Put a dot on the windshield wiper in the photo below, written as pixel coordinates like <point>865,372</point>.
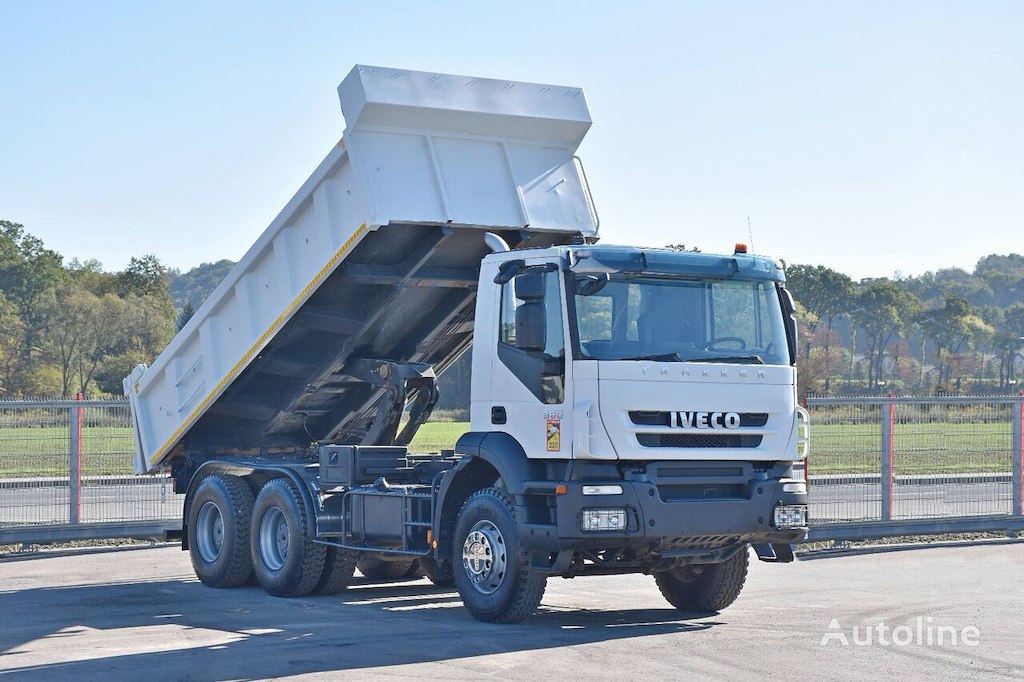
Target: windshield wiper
<point>746,359</point>
<point>659,357</point>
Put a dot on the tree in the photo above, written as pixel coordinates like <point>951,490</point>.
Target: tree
<point>882,312</point>
<point>1005,276</point>
<point>951,328</point>
<point>184,316</point>
<point>67,312</point>
<point>196,285</point>
<point>12,338</point>
<point>146,278</point>
<point>27,271</point>
<point>1008,341</point>
<point>824,293</point>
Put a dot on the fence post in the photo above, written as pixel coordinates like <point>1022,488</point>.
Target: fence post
<point>888,415</point>
<point>75,468</point>
<point>1018,454</point>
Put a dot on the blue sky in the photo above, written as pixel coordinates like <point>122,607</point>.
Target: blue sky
<point>870,136</point>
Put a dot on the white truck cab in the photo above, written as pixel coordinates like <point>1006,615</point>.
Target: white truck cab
<point>599,352</point>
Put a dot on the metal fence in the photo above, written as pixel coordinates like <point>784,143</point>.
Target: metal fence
<point>900,466</point>
<point>877,467</point>
<point>66,473</point>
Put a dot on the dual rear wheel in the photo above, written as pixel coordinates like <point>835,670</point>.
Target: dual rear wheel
<point>233,537</point>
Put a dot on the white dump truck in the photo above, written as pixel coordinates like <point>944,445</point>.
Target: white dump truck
<point>633,410</point>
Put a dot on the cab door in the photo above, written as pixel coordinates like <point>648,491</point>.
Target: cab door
<point>529,385</point>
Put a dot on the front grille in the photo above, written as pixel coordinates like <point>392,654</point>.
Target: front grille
<point>645,418</point>
<point>697,440</point>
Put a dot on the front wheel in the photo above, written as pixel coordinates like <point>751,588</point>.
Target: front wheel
<point>705,587</point>
<point>492,572</point>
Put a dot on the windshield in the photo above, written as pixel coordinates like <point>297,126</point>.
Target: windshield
<point>636,317</point>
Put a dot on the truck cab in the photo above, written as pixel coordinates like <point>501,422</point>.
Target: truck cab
<point>639,407</point>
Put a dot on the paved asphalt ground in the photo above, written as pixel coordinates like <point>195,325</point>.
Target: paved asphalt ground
<point>139,613</point>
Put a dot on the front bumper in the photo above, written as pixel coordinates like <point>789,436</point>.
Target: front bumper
<point>659,526</point>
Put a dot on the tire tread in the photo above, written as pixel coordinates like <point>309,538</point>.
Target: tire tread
<point>714,590</point>
<point>528,591</point>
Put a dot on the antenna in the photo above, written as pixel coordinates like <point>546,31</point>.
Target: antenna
<point>750,233</point>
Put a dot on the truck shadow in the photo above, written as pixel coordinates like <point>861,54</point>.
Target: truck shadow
<point>180,629</point>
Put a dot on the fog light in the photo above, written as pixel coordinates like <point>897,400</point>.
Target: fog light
<point>790,516</point>
<point>603,519</point>
<point>794,487</point>
<point>602,490</point>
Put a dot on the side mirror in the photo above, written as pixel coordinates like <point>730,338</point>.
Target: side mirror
<point>789,311</point>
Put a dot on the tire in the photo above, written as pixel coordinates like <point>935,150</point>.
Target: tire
<point>438,571</point>
<point>492,572</point>
<point>415,571</point>
<point>375,568</point>
<point>286,561</point>
<point>710,587</point>
<point>339,565</point>
<point>218,531</point>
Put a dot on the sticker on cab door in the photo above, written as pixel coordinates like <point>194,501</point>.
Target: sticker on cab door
<point>554,435</point>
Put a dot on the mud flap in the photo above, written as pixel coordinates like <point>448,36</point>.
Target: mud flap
<point>774,553</point>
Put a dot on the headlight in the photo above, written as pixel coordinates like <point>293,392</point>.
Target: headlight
<point>791,516</point>
<point>603,519</point>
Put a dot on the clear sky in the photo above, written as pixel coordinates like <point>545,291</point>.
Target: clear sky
<point>868,136</point>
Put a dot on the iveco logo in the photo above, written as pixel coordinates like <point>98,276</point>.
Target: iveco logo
<point>705,420</point>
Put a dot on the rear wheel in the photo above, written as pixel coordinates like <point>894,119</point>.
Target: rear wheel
<point>377,568</point>
<point>218,531</point>
<point>286,561</point>
<point>706,587</point>
<point>339,565</point>
<point>492,572</point>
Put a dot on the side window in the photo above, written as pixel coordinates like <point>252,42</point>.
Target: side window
<point>509,303</point>
<point>540,294</point>
<point>531,342</point>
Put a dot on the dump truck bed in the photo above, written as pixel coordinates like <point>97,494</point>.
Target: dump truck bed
<point>376,257</point>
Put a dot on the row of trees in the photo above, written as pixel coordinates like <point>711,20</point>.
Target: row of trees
<point>945,331</point>
<point>71,327</point>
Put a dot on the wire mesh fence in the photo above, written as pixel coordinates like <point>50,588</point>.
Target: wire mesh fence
<point>70,463</point>
<point>892,459</point>
<point>882,461</point>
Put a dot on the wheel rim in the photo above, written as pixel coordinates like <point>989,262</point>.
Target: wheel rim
<point>210,532</point>
<point>274,539</point>
<point>484,558</point>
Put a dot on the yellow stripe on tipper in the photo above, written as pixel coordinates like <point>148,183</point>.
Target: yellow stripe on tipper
<point>249,354</point>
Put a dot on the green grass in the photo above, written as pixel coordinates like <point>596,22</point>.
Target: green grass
<point>435,436</point>
<point>964,447</point>
<point>43,450</point>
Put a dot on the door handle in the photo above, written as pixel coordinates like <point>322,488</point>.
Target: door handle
<point>498,415</point>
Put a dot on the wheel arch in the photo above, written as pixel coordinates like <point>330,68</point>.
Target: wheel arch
<point>487,456</point>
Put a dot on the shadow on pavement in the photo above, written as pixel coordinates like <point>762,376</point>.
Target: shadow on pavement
<point>180,628</point>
